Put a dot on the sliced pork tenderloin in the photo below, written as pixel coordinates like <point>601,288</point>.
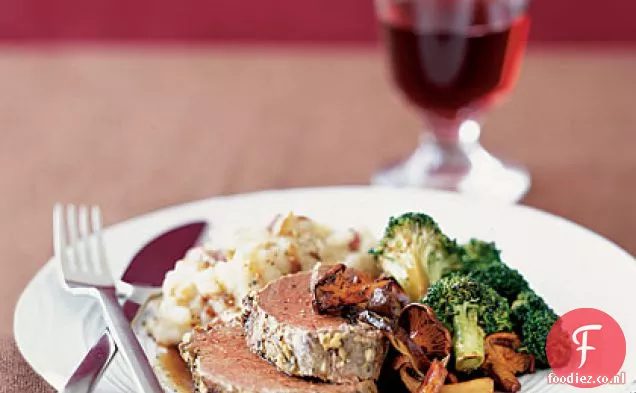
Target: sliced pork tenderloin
<point>220,362</point>
<point>282,327</point>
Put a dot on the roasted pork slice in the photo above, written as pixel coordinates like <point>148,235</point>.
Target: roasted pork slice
<point>220,362</point>
<point>282,326</point>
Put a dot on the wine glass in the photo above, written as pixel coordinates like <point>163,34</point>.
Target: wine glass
<point>452,60</point>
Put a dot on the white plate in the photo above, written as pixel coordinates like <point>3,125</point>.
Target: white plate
<point>571,266</point>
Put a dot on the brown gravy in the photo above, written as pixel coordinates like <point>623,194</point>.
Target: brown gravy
<point>176,370</point>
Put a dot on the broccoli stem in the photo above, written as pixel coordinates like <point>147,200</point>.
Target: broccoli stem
<point>469,338</point>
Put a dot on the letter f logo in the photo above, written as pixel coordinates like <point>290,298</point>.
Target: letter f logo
<point>583,345</point>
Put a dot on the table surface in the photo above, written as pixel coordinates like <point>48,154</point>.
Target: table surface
<point>135,130</point>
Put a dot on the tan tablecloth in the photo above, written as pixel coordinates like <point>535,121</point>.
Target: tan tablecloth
<point>135,131</point>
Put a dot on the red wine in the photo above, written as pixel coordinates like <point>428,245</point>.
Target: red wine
<point>448,72</point>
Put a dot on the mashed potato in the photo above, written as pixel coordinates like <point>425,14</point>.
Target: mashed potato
<point>212,279</point>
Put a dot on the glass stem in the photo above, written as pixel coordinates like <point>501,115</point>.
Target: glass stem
<point>450,132</point>
<point>450,142</point>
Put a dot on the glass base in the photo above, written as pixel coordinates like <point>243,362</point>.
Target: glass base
<point>466,168</point>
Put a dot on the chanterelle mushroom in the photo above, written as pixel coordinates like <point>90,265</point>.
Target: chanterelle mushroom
<point>434,379</point>
<point>421,337</point>
<point>335,291</point>
<point>504,363</point>
<point>436,376</point>
<point>411,379</point>
<point>349,293</point>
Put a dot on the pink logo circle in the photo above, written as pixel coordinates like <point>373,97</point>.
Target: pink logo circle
<point>586,348</point>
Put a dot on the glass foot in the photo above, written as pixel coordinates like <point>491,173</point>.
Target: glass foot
<point>466,168</point>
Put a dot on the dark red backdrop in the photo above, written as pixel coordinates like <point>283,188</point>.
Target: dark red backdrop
<point>274,20</point>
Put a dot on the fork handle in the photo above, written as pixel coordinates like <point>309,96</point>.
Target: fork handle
<point>127,342</point>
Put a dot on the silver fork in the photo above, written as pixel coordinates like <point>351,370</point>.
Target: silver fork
<point>84,269</point>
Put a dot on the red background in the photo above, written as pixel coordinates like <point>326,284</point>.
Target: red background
<point>274,20</point>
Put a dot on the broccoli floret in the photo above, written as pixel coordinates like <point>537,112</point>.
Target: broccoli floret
<point>534,333</point>
<point>526,302</point>
<point>533,319</point>
<point>470,310</point>
<point>482,262</point>
<point>507,281</point>
<point>416,253</point>
<point>478,253</point>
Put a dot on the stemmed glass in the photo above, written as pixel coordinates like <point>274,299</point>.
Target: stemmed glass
<point>453,60</point>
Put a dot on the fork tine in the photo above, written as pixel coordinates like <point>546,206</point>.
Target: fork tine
<point>85,237</point>
<point>61,244</point>
<point>96,215</point>
<point>71,227</point>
